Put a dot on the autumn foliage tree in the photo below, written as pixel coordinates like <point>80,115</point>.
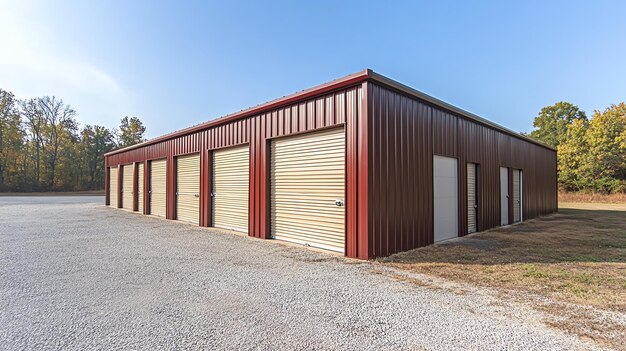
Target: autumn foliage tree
<point>43,147</point>
<point>131,132</point>
<point>591,153</point>
<point>552,122</point>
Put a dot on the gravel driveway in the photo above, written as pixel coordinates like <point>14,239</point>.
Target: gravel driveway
<point>75,274</point>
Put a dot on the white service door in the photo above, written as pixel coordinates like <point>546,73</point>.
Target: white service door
<point>504,196</point>
<point>445,198</point>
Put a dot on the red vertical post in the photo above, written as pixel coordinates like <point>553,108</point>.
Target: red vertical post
<point>171,187</point>
<point>107,175</point>
<point>135,186</point>
<point>351,180</point>
<point>263,172</point>
<point>120,179</point>
<point>364,250</point>
<point>146,187</point>
<point>206,184</point>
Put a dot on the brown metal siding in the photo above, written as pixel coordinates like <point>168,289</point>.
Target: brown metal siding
<point>318,112</point>
<point>392,134</point>
<point>405,134</point>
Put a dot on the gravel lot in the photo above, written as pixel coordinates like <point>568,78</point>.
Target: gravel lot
<point>75,275</point>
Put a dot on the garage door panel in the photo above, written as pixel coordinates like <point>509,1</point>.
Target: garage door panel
<point>188,188</point>
<point>127,187</point>
<point>307,176</point>
<point>517,196</point>
<point>231,168</point>
<point>140,193</point>
<point>113,186</point>
<point>329,160</point>
<point>158,188</point>
<point>471,198</point>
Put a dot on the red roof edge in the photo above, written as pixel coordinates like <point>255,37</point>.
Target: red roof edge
<point>336,84</point>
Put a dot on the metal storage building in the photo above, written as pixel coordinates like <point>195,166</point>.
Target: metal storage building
<point>362,165</point>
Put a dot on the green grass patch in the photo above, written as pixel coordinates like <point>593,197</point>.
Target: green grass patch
<point>531,270</point>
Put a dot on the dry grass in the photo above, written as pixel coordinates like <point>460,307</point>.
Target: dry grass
<point>566,197</point>
<point>576,257</point>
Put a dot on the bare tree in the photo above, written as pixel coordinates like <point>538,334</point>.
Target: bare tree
<point>33,117</point>
<point>59,118</point>
<point>47,119</point>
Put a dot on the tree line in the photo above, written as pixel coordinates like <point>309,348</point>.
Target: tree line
<point>591,152</point>
<point>44,148</point>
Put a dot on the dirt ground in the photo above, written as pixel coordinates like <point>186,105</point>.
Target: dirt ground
<point>571,265</point>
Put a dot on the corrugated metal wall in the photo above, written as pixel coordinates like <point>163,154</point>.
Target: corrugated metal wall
<point>405,133</point>
<point>329,109</point>
<point>391,137</point>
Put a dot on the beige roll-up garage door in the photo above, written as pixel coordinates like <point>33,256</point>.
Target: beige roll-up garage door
<point>113,188</point>
<point>472,203</point>
<point>307,189</point>
<point>231,169</point>
<point>517,196</point>
<point>188,188</point>
<point>140,187</point>
<point>158,188</point>
<point>127,187</point>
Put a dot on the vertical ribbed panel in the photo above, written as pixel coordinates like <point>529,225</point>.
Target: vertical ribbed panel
<point>472,205</point>
<point>127,187</point>
<point>307,178</point>
<point>326,110</point>
<point>113,186</point>
<point>140,193</point>
<point>230,193</point>
<point>400,172</point>
<point>405,133</point>
<point>188,188</point>
<point>158,188</point>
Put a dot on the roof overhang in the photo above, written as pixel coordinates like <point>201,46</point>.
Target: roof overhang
<point>347,81</point>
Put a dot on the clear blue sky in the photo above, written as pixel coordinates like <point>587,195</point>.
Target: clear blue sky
<point>181,63</point>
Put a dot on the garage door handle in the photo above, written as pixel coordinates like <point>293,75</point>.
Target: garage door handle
<point>212,194</point>
<point>339,202</point>
<point>196,195</point>
<point>475,206</point>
